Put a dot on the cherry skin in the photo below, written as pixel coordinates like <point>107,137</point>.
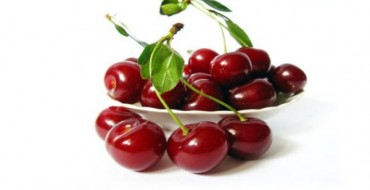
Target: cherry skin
<point>173,98</point>
<point>288,78</point>
<point>195,101</point>
<point>231,69</point>
<point>123,81</point>
<point>132,59</point>
<point>196,76</point>
<point>200,60</point>
<point>256,94</point>
<point>110,117</point>
<point>187,71</point>
<point>136,144</point>
<point>248,139</point>
<point>202,149</point>
<point>260,60</point>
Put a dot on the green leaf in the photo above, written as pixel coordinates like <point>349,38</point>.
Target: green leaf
<point>171,9</point>
<point>164,2</point>
<point>144,59</point>
<point>217,5</point>
<point>238,34</point>
<point>120,29</point>
<point>166,68</point>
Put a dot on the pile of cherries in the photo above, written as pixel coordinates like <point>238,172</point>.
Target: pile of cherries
<point>245,79</point>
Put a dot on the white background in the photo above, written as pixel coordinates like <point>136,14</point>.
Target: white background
<point>53,55</point>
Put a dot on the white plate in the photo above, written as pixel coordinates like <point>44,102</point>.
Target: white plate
<point>161,117</point>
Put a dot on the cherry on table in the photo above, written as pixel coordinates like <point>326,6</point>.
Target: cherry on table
<point>231,69</point>
<point>200,60</point>
<point>202,149</point>
<point>136,144</point>
<point>123,81</point>
<point>110,117</point>
<point>256,94</point>
<point>248,139</point>
<point>288,78</point>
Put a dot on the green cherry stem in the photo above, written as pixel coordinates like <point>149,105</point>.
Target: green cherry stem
<point>184,130</point>
<point>204,10</point>
<point>240,116</point>
<point>123,29</point>
<point>168,38</point>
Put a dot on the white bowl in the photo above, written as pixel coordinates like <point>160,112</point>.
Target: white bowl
<point>161,116</point>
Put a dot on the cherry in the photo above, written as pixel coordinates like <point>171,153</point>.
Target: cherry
<point>123,81</point>
<point>288,78</point>
<point>260,60</point>
<point>186,72</point>
<point>231,69</point>
<point>248,139</point>
<point>200,60</point>
<point>196,76</point>
<point>199,76</point>
<point>195,101</point>
<point>110,117</point>
<point>202,149</point>
<point>173,97</point>
<point>136,143</point>
<point>132,59</point>
<point>256,94</point>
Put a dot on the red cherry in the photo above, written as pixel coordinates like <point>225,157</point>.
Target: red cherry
<point>196,76</point>
<point>202,149</point>
<point>248,139</point>
<point>132,59</point>
<point>200,60</point>
<point>110,117</point>
<point>123,81</point>
<point>260,60</point>
<point>187,71</point>
<point>256,94</point>
<point>173,97</point>
<point>288,78</point>
<point>231,69</point>
<point>195,101</point>
<point>136,144</point>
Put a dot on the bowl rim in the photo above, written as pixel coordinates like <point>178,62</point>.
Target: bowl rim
<point>286,99</point>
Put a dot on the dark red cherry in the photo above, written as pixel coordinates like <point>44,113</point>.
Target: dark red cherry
<point>187,71</point>
<point>248,139</point>
<point>256,94</point>
<point>196,76</point>
<point>173,98</point>
<point>260,60</point>
<point>136,144</point>
<point>231,69</point>
<point>195,101</point>
<point>288,78</point>
<point>132,59</point>
<point>123,81</point>
<point>200,60</point>
<point>202,149</point>
<point>110,117</point>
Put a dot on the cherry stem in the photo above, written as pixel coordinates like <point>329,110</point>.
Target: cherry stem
<point>223,38</point>
<point>240,116</point>
<point>204,10</point>
<point>185,130</point>
<point>115,22</point>
<point>169,37</point>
